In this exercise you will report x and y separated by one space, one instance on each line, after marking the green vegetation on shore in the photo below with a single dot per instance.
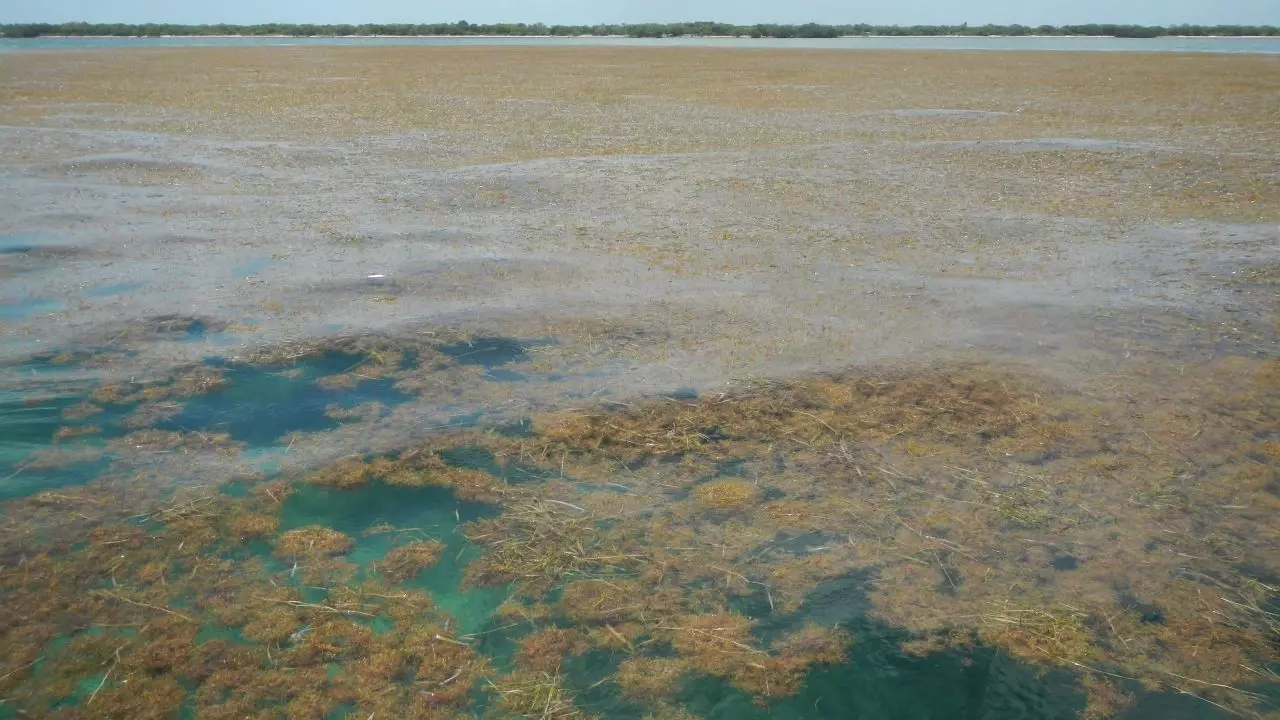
808 30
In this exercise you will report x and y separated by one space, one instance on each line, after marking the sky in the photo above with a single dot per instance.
583 12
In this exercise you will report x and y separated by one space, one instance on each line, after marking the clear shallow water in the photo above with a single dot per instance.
26 427
258 406
1053 44
429 513
263 406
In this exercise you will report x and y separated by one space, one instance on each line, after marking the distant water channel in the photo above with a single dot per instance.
1269 45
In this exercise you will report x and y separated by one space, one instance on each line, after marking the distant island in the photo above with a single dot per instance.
647 30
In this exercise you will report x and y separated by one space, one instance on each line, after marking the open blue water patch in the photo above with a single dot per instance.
33 415
264 404
19 244
25 308
109 290
20 480
430 510
30 418
24 253
259 407
880 681
252 267
465 419
491 352
195 330
474 457
504 375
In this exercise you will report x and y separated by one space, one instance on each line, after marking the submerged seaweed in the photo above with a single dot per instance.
748 541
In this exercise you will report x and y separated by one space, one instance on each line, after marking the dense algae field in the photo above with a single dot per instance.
638 384
878 542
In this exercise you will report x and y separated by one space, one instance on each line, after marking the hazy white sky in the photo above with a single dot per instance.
902 12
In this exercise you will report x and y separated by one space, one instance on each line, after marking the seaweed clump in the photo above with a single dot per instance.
721 645
534 695
540 545
313 541
413 468
725 494
545 650
172 440
251 525
191 381
406 561
645 678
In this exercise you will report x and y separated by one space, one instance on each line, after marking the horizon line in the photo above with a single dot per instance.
32 30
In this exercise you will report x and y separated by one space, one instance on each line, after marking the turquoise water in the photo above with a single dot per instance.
422 513
27 426
291 401
489 352
25 308
253 267
17 244
112 289
260 407
1053 44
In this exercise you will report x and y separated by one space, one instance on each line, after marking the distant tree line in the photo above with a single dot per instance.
648 30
